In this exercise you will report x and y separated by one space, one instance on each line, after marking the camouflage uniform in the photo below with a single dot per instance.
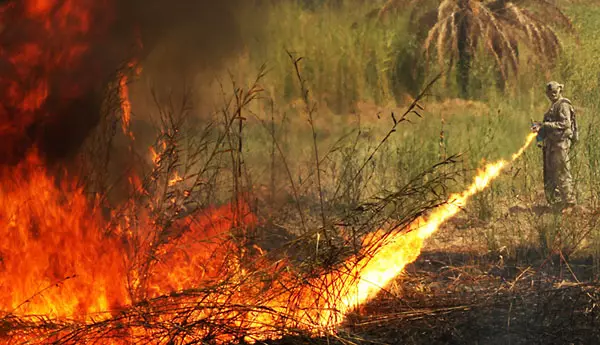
556 132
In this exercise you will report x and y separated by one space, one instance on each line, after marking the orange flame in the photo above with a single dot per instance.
377 270
59 257
54 235
55 260
124 95
125 103
42 48
175 179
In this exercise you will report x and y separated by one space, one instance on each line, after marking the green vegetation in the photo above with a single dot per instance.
359 70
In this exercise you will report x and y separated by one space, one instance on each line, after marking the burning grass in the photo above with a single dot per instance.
433 303
172 259
159 266
188 280
163 268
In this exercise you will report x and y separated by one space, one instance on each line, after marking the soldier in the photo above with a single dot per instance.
557 131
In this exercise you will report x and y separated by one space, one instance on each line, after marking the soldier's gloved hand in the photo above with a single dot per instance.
536 126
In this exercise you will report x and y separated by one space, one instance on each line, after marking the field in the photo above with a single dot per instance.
355 82
504 237
315 179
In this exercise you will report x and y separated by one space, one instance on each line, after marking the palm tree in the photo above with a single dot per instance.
462 26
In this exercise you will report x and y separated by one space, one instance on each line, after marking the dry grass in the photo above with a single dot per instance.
521 285
191 168
447 298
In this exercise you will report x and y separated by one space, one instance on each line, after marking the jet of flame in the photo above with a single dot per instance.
60 258
50 234
376 270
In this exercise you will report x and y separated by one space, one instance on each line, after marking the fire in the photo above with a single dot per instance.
124 95
50 235
376 270
62 257
202 253
45 49
175 179
125 103
55 260
57 238
58 260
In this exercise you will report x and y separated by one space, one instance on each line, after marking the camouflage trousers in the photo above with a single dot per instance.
558 182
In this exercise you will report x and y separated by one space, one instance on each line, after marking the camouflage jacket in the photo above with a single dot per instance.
557 121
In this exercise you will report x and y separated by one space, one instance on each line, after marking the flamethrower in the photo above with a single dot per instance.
538 127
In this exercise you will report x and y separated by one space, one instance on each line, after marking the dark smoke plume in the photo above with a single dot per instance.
182 36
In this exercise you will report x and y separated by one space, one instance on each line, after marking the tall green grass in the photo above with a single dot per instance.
351 60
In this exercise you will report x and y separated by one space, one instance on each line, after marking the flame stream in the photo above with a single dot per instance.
317 306
56 258
404 247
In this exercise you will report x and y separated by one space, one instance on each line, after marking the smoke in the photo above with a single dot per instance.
183 37
185 50
75 47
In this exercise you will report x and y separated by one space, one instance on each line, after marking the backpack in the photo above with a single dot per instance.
574 129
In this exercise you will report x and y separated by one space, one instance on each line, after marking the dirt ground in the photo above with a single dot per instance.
459 291
461 298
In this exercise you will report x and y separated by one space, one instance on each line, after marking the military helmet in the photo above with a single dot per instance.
554 85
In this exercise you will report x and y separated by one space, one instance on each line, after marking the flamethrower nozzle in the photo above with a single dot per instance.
536 127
